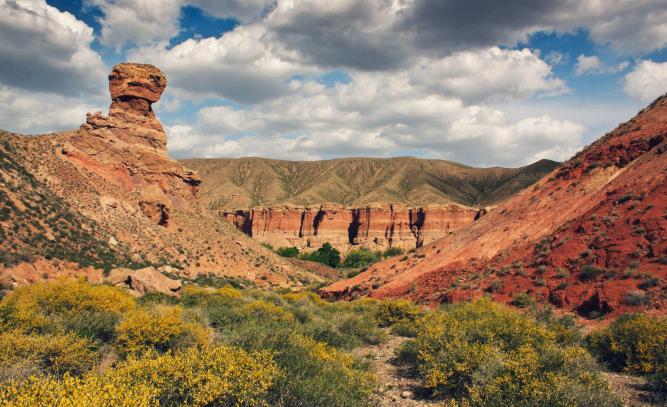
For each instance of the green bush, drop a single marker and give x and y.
(361, 258)
(523, 300)
(392, 251)
(326, 254)
(287, 251)
(590, 272)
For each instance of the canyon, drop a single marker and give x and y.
(377, 203)
(377, 227)
(588, 238)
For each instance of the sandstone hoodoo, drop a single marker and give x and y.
(107, 195)
(129, 146)
(590, 237)
(378, 226)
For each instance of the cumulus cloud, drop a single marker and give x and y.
(488, 75)
(237, 66)
(377, 114)
(342, 33)
(593, 65)
(243, 10)
(386, 34)
(647, 81)
(44, 49)
(149, 22)
(587, 64)
(630, 26)
(32, 112)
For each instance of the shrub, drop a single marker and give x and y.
(392, 251)
(319, 375)
(288, 251)
(649, 282)
(326, 254)
(590, 272)
(390, 312)
(485, 354)
(22, 355)
(634, 343)
(211, 376)
(523, 300)
(90, 311)
(361, 258)
(160, 329)
(635, 298)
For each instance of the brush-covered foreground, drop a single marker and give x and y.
(71, 343)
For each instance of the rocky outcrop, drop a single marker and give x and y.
(376, 226)
(144, 280)
(129, 146)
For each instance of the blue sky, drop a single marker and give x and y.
(313, 79)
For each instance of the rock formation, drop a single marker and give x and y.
(107, 195)
(145, 280)
(129, 146)
(590, 238)
(377, 226)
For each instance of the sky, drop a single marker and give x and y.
(477, 82)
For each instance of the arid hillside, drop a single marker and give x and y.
(110, 188)
(371, 202)
(357, 182)
(590, 237)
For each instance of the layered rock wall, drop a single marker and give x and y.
(375, 227)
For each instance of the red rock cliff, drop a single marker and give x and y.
(129, 147)
(376, 227)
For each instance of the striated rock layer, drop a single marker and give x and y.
(377, 226)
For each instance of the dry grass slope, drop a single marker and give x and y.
(249, 182)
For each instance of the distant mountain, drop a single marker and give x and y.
(356, 182)
(591, 237)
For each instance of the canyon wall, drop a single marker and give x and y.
(377, 227)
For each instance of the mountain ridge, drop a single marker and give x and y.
(235, 183)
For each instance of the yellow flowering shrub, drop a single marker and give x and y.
(45, 307)
(21, 354)
(304, 297)
(267, 312)
(486, 354)
(161, 328)
(316, 374)
(391, 312)
(634, 343)
(196, 377)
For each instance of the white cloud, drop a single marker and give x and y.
(379, 114)
(43, 49)
(138, 22)
(237, 66)
(32, 112)
(586, 64)
(593, 65)
(647, 81)
(492, 74)
(555, 58)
